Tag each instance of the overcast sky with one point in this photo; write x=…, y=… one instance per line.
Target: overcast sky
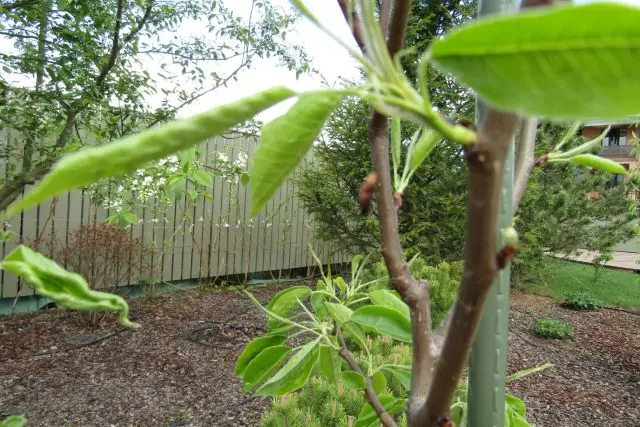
x=327, y=56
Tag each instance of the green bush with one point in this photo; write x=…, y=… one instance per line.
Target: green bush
x=552, y=328
x=325, y=403
x=581, y=301
x=444, y=280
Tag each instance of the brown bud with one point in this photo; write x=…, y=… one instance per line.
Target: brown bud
x=367, y=188
x=506, y=254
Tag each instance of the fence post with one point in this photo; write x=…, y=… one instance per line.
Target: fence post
x=487, y=366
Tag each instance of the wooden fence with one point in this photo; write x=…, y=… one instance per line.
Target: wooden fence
x=220, y=240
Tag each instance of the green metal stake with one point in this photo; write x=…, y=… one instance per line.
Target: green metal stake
x=487, y=366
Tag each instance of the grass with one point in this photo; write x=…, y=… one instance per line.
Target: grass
x=613, y=287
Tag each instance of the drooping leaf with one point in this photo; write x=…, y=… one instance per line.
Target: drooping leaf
x=264, y=365
x=389, y=299
x=254, y=348
x=353, y=380
x=13, y=421
x=401, y=372
x=369, y=418
x=424, y=146
x=598, y=163
x=295, y=373
x=91, y=164
x=558, y=62
x=329, y=361
x=61, y=286
x=384, y=321
x=284, y=143
x=244, y=179
x=284, y=302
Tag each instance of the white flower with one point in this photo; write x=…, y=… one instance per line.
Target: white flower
x=155, y=220
x=201, y=219
x=269, y=224
x=226, y=225
x=140, y=221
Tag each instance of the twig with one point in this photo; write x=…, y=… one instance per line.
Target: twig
x=370, y=393
x=526, y=159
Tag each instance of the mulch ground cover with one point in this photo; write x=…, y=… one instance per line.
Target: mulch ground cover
x=177, y=370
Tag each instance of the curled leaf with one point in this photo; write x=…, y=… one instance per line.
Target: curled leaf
x=61, y=286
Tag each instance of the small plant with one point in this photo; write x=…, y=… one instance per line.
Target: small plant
x=552, y=328
x=581, y=301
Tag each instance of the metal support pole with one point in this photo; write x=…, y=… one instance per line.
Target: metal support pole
x=487, y=366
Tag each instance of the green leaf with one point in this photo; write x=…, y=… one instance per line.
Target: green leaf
x=368, y=416
x=389, y=299
x=424, y=146
x=285, y=141
x=284, y=302
x=379, y=382
x=329, y=361
x=192, y=194
x=553, y=62
x=203, y=178
x=355, y=265
x=317, y=301
x=525, y=372
x=129, y=217
x=340, y=283
x=61, y=286
x=354, y=331
x=91, y=164
x=13, y=421
x=339, y=312
x=401, y=372
x=295, y=373
x=595, y=162
x=353, y=380
x=244, y=179
x=396, y=141
x=264, y=365
x=254, y=348
x=384, y=321
x=515, y=404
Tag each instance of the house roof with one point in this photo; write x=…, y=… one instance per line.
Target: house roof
x=627, y=121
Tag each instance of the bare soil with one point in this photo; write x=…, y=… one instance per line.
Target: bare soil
x=178, y=369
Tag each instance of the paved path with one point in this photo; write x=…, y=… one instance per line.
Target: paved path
x=622, y=260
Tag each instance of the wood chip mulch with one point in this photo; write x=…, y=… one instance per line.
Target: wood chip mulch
x=178, y=369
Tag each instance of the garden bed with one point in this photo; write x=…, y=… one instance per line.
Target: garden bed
x=178, y=369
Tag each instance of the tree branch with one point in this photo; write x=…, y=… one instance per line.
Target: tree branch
x=115, y=47
x=357, y=25
x=486, y=160
x=525, y=159
x=370, y=393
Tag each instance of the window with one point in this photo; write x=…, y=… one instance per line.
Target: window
x=616, y=137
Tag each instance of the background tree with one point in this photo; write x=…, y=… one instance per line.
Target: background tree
x=431, y=207
x=90, y=68
x=557, y=213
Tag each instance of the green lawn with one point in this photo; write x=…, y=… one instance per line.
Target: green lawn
x=613, y=287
